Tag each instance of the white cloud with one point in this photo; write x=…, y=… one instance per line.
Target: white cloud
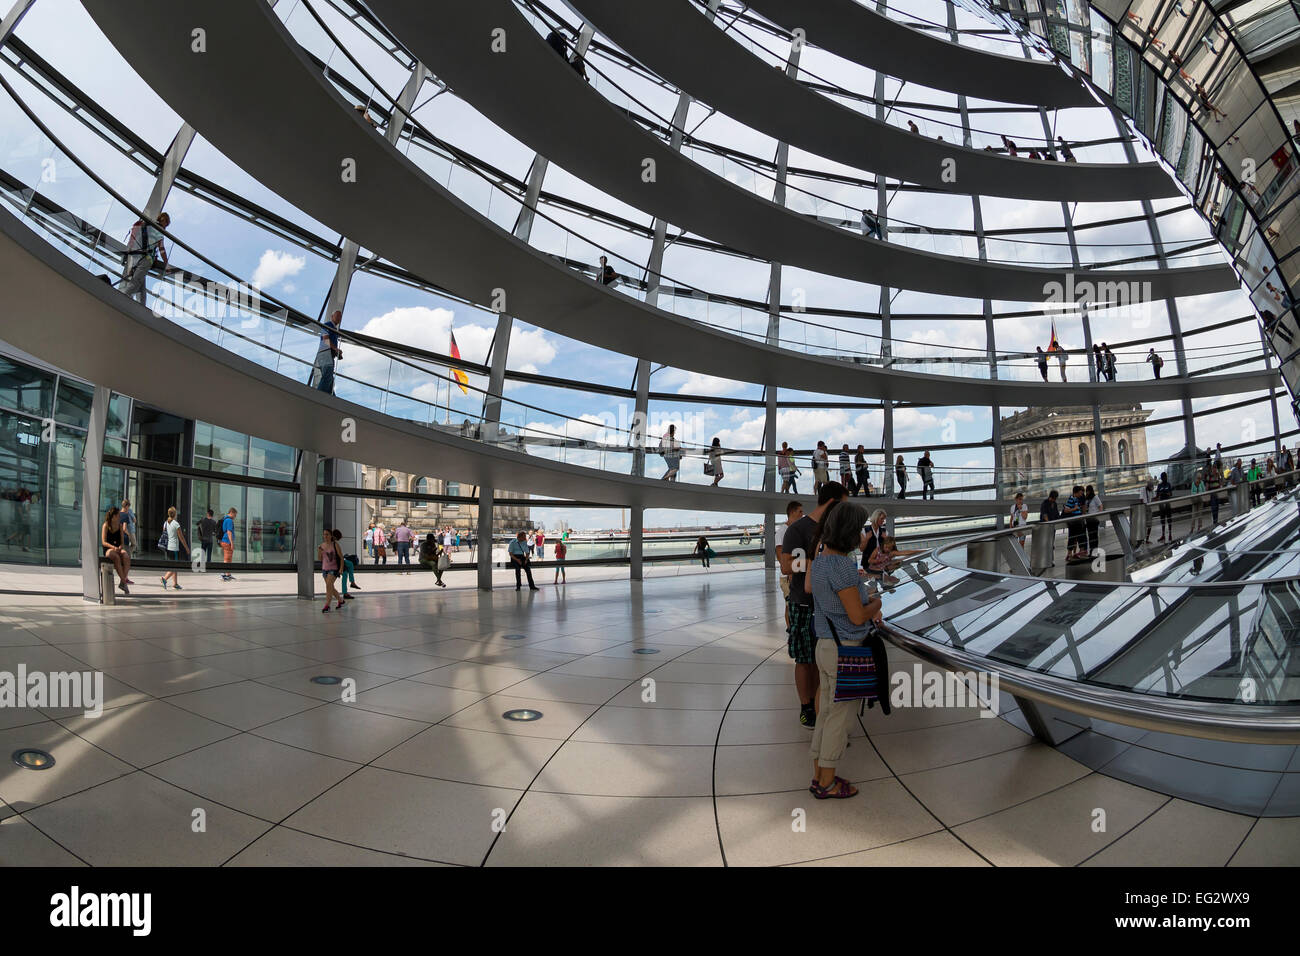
x=274, y=267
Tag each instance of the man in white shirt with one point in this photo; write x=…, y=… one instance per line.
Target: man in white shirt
x=1020, y=516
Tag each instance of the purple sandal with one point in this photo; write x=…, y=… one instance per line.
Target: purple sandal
x=838, y=790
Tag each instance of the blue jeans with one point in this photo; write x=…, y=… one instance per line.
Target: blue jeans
x=323, y=375
x=348, y=568
x=403, y=552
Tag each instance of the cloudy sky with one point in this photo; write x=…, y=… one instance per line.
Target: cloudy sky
x=62, y=33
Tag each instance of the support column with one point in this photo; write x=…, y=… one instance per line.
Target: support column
x=886, y=332
x=636, y=543
x=500, y=354
x=639, y=431
x=1171, y=304
x=770, y=392
x=16, y=13
x=1098, y=441
x=91, y=473
x=990, y=333
x=307, y=533
x=484, y=536
x=171, y=165
x=1272, y=400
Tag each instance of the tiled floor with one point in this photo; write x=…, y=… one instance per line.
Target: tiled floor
x=217, y=748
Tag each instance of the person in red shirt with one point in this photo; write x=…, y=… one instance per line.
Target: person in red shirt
x=561, y=550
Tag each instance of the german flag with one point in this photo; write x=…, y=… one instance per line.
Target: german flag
x=1054, y=345
x=461, y=378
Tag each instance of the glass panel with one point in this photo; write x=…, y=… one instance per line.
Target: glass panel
x=25, y=389
x=23, y=464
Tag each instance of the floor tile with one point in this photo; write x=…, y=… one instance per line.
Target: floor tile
x=471, y=756
x=77, y=765
x=142, y=734
x=1163, y=838
x=779, y=828
x=255, y=776
x=285, y=847
x=408, y=814
x=555, y=830
x=1061, y=828
x=138, y=820
x=342, y=731
x=961, y=792
x=244, y=705
x=621, y=770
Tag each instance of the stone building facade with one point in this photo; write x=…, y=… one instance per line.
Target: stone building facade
x=430, y=515
x=1045, y=448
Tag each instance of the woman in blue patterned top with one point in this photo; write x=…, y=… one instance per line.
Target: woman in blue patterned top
x=837, y=594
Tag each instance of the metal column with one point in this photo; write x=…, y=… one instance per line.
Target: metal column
x=500, y=352
x=1098, y=442
x=886, y=332
x=307, y=532
x=641, y=408
x=91, y=470
x=1171, y=304
x=774, y=339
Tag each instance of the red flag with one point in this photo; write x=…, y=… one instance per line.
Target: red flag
x=461, y=378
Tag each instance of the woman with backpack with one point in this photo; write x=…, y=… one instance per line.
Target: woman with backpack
x=1157, y=363
x=703, y=551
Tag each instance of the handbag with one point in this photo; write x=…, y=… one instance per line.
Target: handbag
x=860, y=672
x=708, y=467
x=444, y=561
x=162, y=539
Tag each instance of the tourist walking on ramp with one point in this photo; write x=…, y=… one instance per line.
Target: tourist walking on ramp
x=1157, y=363
x=846, y=470
x=786, y=468
x=925, y=468
x=144, y=250
x=900, y=472
x=714, y=465
x=327, y=354
x=671, y=450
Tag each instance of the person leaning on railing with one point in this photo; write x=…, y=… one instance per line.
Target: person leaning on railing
x=1213, y=483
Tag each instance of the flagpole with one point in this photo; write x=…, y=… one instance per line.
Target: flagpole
x=450, y=323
